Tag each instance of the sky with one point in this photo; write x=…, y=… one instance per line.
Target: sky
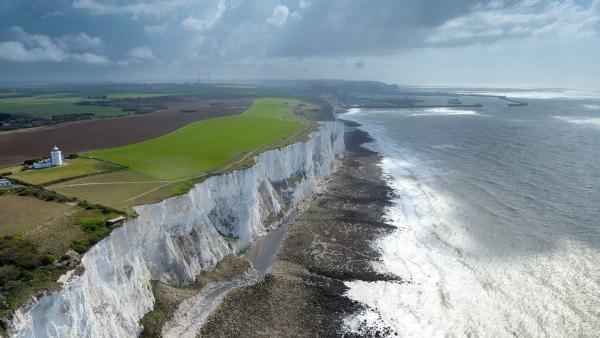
x=496, y=43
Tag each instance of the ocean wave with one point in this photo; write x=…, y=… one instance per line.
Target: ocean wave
x=444, y=146
x=450, y=287
x=592, y=106
x=439, y=112
x=541, y=94
x=411, y=112
x=590, y=121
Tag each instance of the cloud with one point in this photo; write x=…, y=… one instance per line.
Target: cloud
x=80, y=41
x=279, y=16
x=247, y=33
x=141, y=53
x=155, y=29
x=17, y=52
x=208, y=21
x=91, y=58
x=156, y=8
x=528, y=19
x=36, y=47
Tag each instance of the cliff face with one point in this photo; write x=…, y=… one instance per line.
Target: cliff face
x=172, y=241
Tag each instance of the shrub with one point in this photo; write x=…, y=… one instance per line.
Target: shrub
x=32, y=161
x=49, y=259
x=9, y=273
x=80, y=246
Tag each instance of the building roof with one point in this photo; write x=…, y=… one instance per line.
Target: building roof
x=55, y=148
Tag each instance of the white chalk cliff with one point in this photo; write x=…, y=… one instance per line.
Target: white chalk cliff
x=174, y=240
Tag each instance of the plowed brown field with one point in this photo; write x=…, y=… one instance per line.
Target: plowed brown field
x=17, y=146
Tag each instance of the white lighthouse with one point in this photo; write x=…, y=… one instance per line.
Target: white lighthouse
x=56, y=157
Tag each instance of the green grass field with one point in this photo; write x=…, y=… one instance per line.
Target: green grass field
x=71, y=168
x=115, y=96
x=47, y=106
x=207, y=145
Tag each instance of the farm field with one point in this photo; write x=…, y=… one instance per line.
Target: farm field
x=47, y=106
x=70, y=169
x=20, y=145
x=17, y=216
x=117, y=190
x=115, y=96
x=205, y=145
x=172, y=163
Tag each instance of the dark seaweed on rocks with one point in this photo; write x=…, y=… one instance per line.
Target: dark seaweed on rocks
x=303, y=295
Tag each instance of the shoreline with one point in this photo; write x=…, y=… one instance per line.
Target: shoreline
x=329, y=244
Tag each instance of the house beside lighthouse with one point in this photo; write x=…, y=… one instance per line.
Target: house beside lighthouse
x=55, y=160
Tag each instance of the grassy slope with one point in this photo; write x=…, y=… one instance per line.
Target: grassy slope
x=71, y=168
x=205, y=145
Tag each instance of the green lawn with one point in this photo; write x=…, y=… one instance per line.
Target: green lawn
x=207, y=145
x=48, y=105
x=71, y=168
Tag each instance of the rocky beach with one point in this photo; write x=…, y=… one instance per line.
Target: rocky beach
x=328, y=244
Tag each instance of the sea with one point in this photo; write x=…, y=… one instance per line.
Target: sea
x=497, y=215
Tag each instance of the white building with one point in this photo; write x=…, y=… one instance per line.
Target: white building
x=4, y=183
x=56, y=157
x=55, y=160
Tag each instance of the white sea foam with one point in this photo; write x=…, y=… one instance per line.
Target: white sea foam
x=590, y=121
x=592, y=106
x=412, y=112
x=444, y=146
x=439, y=112
x=453, y=288
x=541, y=94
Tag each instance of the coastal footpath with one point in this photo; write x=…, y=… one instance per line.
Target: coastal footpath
x=328, y=244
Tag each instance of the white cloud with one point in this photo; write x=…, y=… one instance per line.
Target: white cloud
x=91, y=58
x=80, y=41
x=155, y=29
x=136, y=8
x=528, y=19
x=16, y=51
x=141, y=53
x=208, y=22
x=36, y=47
x=302, y=4
x=279, y=16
